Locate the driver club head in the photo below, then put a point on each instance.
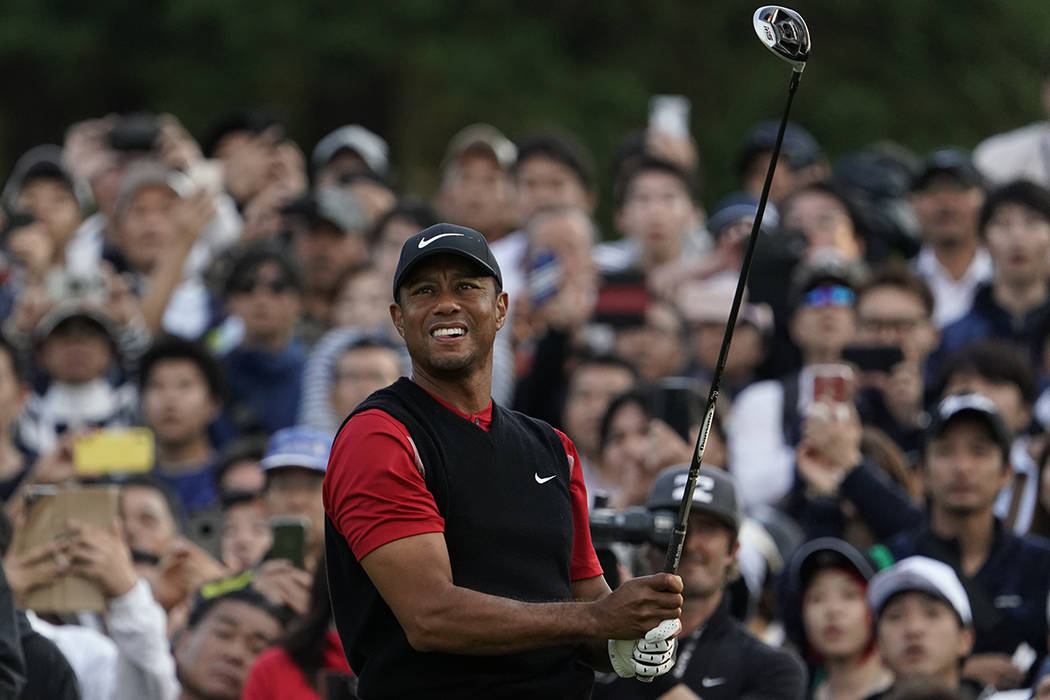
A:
(785, 33)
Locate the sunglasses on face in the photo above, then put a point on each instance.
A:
(277, 285)
(829, 295)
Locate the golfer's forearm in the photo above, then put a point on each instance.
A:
(463, 621)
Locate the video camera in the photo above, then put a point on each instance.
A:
(634, 525)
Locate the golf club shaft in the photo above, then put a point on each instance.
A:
(674, 548)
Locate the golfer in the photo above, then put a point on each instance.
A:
(460, 562)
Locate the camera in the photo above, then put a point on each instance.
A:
(631, 526)
(135, 133)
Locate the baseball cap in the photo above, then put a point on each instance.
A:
(710, 301)
(481, 136)
(920, 573)
(740, 206)
(715, 494)
(948, 161)
(298, 446)
(976, 405)
(148, 174)
(826, 266)
(446, 238)
(70, 309)
(371, 147)
(824, 553)
(799, 148)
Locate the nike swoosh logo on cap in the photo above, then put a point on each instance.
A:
(543, 480)
(423, 242)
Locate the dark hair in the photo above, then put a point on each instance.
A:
(1023, 192)
(645, 163)
(639, 396)
(994, 360)
(233, 588)
(594, 359)
(248, 448)
(561, 148)
(307, 635)
(836, 192)
(172, 347)
(254, 121)
(7, 532)
(254, 255)
(416, 211)
(146, 481)
(899, 276)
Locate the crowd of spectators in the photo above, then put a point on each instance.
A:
(876, 472)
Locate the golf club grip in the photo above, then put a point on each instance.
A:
(674, 547)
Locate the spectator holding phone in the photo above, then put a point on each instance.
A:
(895, 312)
(294, 465)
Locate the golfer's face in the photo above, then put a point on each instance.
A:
(448, 312)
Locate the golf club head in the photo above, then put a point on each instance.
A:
(785, 33)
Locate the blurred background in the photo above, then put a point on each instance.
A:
(924, 74)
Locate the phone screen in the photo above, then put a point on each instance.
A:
(289, 540)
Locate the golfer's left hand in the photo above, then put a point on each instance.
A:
(649, 657)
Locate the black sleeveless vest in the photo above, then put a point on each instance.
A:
(507, 535)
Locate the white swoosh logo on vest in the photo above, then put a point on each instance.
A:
(543, 480)
(423, 242)
(711, 682)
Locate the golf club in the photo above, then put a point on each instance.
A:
(785, 33)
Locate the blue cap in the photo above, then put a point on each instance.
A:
(299, 446)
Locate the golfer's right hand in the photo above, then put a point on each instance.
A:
(638, 605)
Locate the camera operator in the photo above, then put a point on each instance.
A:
(717, 657)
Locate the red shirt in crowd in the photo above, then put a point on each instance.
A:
(274, 676)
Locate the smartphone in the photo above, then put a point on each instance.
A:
(873, 358)
(204, 528)
(830, 383)
(113, 451)
(670, 114)
(289, 539)
(677, 402)
(544, 277)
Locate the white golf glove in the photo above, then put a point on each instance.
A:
(646, 658)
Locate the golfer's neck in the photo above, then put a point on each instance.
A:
(470, 393)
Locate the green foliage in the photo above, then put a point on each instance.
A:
(923, 73)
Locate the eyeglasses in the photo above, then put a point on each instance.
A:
(829, 295)
(278, 285)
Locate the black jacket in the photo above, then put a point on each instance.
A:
(721, 661)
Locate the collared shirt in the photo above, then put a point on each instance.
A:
(952, 298)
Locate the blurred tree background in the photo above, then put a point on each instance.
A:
(925, 74)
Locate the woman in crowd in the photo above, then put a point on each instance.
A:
(828, 618)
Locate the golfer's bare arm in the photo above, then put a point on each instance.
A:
(414, 576)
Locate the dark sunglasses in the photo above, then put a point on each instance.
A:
(247, 285)
(829, 295)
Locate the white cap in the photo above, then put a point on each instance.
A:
(920, 574)
(370, 146)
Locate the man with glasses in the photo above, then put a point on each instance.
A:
(264, 290)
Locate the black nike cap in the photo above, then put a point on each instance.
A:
(446, 238)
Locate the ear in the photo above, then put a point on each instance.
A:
(502, 304)
(398, 319)
(965, 642)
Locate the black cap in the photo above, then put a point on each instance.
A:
(948, 161)
(976, 405)
(715, 494)
(825, 553)
(446, 238)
